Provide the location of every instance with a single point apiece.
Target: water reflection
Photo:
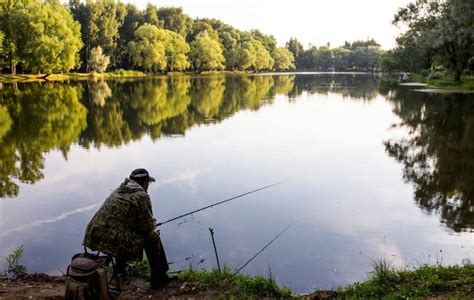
(353, 86)
(437, 155)
(438, 152)
(36, 118)
(34, 121)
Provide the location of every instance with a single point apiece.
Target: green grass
(446, 82)
(239, 286)
(385, 282)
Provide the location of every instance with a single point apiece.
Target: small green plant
(14, 268)
(140, 269)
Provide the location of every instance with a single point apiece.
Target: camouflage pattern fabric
(122, 223)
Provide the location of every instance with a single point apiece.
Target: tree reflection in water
(438, 154)
(35, 120)
(39, 117)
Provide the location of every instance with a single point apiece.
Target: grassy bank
(445, 81)
(384, 282)
(240, 286)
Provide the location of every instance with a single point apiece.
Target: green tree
(98, 61)
(283, 58)
(206, 54)
(2, 37)
(322, 58)
(148, 50)
(268, 41)
(157, 49)
(341, 59)
(199, 26)
(42, 36)
(264, 60)
(175, 20)
(100, 22)
(252, 55)
(406, 56)
(10, 40)
(133, 20)
(176, 50)
(365, 57)
(150, 16)
(445, 27)
(296, 48)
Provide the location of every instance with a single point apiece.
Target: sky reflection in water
(360, 191)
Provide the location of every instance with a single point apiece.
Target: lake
(378, 171)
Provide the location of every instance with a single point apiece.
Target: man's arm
(145, 222)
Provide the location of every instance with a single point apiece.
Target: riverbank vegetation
(385, 282)
(444, 80)
(236, 285)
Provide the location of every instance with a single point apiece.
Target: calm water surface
(379, 171)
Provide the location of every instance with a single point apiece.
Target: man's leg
(157, 259)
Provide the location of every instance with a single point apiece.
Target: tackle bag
(87, 277)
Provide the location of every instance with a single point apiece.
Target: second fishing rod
(222, 202)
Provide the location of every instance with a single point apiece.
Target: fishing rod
(268, 244)
(223, 201)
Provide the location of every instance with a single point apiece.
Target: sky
(313, 22)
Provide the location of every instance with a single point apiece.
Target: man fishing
(124, 226)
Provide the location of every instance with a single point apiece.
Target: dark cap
(141, 174)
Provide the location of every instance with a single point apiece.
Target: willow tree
(148, 49)
(206, 53)
(283, 58)
(157, 49)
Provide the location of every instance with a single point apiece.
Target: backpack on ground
(87, 277)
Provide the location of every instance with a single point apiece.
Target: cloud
(51, 219)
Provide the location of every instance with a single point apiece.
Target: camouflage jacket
(121, 224)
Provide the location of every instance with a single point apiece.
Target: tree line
(352, 56)
(45, 36)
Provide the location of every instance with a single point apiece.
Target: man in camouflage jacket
(124, 226)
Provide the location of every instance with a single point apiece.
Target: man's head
(141, 177)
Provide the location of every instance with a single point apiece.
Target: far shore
(466, 83)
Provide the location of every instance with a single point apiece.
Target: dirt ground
(42, 286)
